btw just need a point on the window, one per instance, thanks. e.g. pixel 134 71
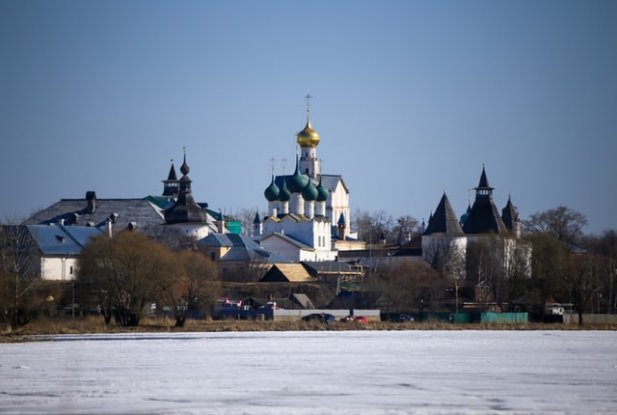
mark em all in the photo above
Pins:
pixel 213 256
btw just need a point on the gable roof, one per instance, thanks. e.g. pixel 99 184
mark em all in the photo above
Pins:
pixel 303 300
pixel 76 212
pixel 444 219
pixel 331 268
pixel 289 240
pixel 241 247
pixel 287 273
pixel 62 240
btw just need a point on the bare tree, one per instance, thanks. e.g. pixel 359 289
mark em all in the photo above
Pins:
pixel 486 268
pixel 447 256
pixel 193 290
pixel 564 224
pixel 583 281
pixel 549 266
pixel 19 275
pixel 125 274
pixel 405 228
pixel 379 227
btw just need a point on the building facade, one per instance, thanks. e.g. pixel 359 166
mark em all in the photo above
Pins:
pixel 307 209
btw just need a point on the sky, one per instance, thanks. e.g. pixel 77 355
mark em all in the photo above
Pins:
pixel 410 98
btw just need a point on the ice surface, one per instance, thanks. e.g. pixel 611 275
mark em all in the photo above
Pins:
pixel 348 372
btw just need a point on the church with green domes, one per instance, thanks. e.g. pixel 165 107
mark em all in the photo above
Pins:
pixel 307 210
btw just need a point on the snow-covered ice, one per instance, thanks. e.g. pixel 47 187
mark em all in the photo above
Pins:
pixel 348 372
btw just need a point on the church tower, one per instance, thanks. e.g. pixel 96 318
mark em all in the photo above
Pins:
pixel 308 139
pixel 172 184
pixel 483 217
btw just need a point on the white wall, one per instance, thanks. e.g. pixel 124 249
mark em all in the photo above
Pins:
pixel 58 269
pixel 338 202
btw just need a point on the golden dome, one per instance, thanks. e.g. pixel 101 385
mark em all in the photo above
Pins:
pixel 308 137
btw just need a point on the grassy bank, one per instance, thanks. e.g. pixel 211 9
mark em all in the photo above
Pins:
pixel 91 325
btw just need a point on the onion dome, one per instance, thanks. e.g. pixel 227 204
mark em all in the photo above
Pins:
pixel 323 193
pixel 308 137
pixel 465 215
pixel 284 194
pixel 297 182
pixel 185 169
pixel 310 192
pixel 272 192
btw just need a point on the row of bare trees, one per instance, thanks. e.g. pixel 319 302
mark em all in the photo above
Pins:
pixel 381 227
pixel 128 274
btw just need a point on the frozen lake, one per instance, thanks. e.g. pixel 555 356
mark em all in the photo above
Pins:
pixel 365 372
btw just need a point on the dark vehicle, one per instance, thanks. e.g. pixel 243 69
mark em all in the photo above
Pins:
pixel 405 317
pixel 321 317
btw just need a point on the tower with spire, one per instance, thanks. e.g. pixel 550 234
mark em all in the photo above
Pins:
pixel 481 247
pixel 171 185
pixel 483 217
pixel 308 140
pixel 185 213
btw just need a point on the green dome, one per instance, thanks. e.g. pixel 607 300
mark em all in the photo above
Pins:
pixel 284 194
pixel 323 193
pixel 272 192
pixel 310 192
pixel 297 182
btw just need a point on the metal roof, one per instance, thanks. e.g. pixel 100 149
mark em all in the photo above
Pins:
pixel 75 212
pixel 62 240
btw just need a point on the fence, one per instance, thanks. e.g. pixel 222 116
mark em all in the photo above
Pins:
pixel 591 318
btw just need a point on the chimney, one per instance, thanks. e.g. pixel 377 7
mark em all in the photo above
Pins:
pixel 221 223
pixel 91 199
pixel 109 228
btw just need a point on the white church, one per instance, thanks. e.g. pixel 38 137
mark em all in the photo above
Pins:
pixel 307 210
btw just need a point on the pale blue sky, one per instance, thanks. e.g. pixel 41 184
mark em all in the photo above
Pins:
pixel 410 99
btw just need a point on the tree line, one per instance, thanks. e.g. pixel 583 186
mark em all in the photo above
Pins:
pixel 123 276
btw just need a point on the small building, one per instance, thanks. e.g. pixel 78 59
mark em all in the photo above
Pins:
pixel 238 257
pixel 52 251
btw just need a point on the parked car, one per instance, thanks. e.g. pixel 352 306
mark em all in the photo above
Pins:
pixel 321 317
pixel 554 309
pixel 405 318
pixel 357 319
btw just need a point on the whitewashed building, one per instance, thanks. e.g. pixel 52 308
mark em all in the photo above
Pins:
pixel 306 209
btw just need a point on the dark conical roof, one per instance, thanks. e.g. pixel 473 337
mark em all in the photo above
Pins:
pixel 484 217
pixel 483 184
pixel 509 215
pixel 341 220
pixel 172 173
pixel 444 220
pixel 171 184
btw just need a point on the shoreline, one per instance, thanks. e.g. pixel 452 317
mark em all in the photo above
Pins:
pixel 51 327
